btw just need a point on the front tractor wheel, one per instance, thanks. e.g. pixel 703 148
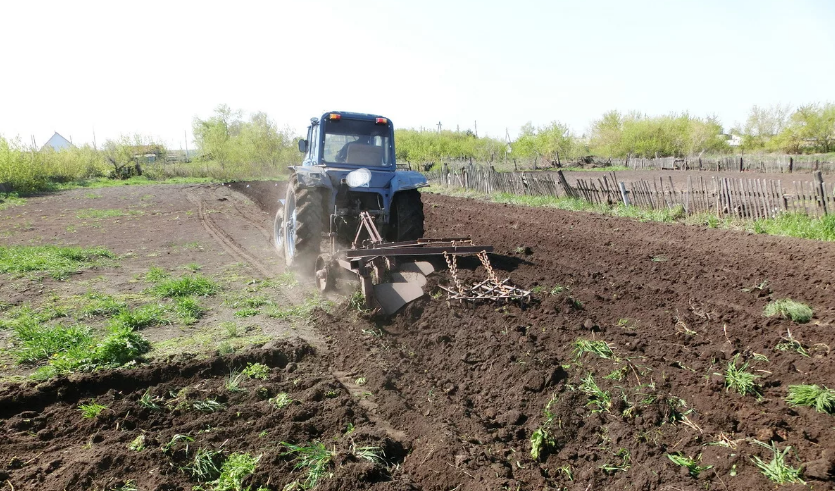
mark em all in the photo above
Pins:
pixel 406 216
pixel 302 227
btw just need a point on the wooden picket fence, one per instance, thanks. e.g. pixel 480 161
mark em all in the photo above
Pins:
pixel 781 164
pixel 741 198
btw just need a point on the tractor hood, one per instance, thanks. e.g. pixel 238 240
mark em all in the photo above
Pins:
pixel 380 178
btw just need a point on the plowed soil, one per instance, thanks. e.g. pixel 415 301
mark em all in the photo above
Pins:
pixel 452 394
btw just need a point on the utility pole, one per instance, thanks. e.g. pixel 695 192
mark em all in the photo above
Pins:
pixel 94 139
pixel 185 136
pixel 439 127
pixel 476 129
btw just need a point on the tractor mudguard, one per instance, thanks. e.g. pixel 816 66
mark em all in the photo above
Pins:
pixel 404 180
pixel 312 177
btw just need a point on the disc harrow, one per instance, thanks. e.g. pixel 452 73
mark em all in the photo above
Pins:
pixel 392 274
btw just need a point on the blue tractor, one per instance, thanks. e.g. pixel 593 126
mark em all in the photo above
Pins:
pixel 348 169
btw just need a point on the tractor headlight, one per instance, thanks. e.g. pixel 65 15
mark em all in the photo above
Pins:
pixel 359 178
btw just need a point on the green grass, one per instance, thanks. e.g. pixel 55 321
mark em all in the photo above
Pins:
pixel 141 317
pixel 797 225
pixel 692 464
pixel 247 312
pixel 122 345
pixel 789 309
pixel 7 200
pixel 58 262
pixel 184 286
pixel 156 274
pixel 314 457
pixel 777 469
pixel 738 379
pixel 814 396
pixel 234 470
pixel 599 348
pixel 91 410
pixel 97 214
pixel 25 317
pixel 188 310
pixel 37 341
pixel 100 304
pixel 299 312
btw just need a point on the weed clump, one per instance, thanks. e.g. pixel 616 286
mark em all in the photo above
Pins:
pixel 188 309
pixel 257 371
pixel 789 309
pixel 39 342
pixel 184 286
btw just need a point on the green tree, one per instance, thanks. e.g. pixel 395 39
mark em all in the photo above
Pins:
pixel 815 123
pixel 763 124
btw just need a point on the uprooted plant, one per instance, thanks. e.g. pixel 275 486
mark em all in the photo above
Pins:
pixel 789 309
pixel 740 380
pixel 777 469
pixel 691 463
pixel 822 399
pixel 599 399
pixel 596 347
pixel 541 439
pixel 314 457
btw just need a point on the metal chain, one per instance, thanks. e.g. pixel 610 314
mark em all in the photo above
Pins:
pixel 452 264
pixel 491 275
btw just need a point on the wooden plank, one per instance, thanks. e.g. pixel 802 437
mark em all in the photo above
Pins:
pixel 687 208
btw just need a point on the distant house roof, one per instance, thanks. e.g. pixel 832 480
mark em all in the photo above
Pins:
pixel 57 142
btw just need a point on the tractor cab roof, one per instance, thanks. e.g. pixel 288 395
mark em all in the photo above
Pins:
pixel 351 115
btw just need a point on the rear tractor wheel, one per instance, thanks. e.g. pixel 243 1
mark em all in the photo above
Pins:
pixel 300 232
pixel 406 217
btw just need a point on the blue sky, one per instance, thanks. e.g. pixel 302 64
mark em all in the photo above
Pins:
pixel 150 67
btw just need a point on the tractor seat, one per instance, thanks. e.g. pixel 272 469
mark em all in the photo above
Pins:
pixel 362 154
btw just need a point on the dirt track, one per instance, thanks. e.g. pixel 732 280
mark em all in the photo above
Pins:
pixel 453 394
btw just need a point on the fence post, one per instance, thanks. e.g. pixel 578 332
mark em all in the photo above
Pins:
pixel 624 193
pixel 821 189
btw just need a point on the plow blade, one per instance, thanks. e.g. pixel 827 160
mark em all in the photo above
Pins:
pixel 404 285
pixel 393 296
